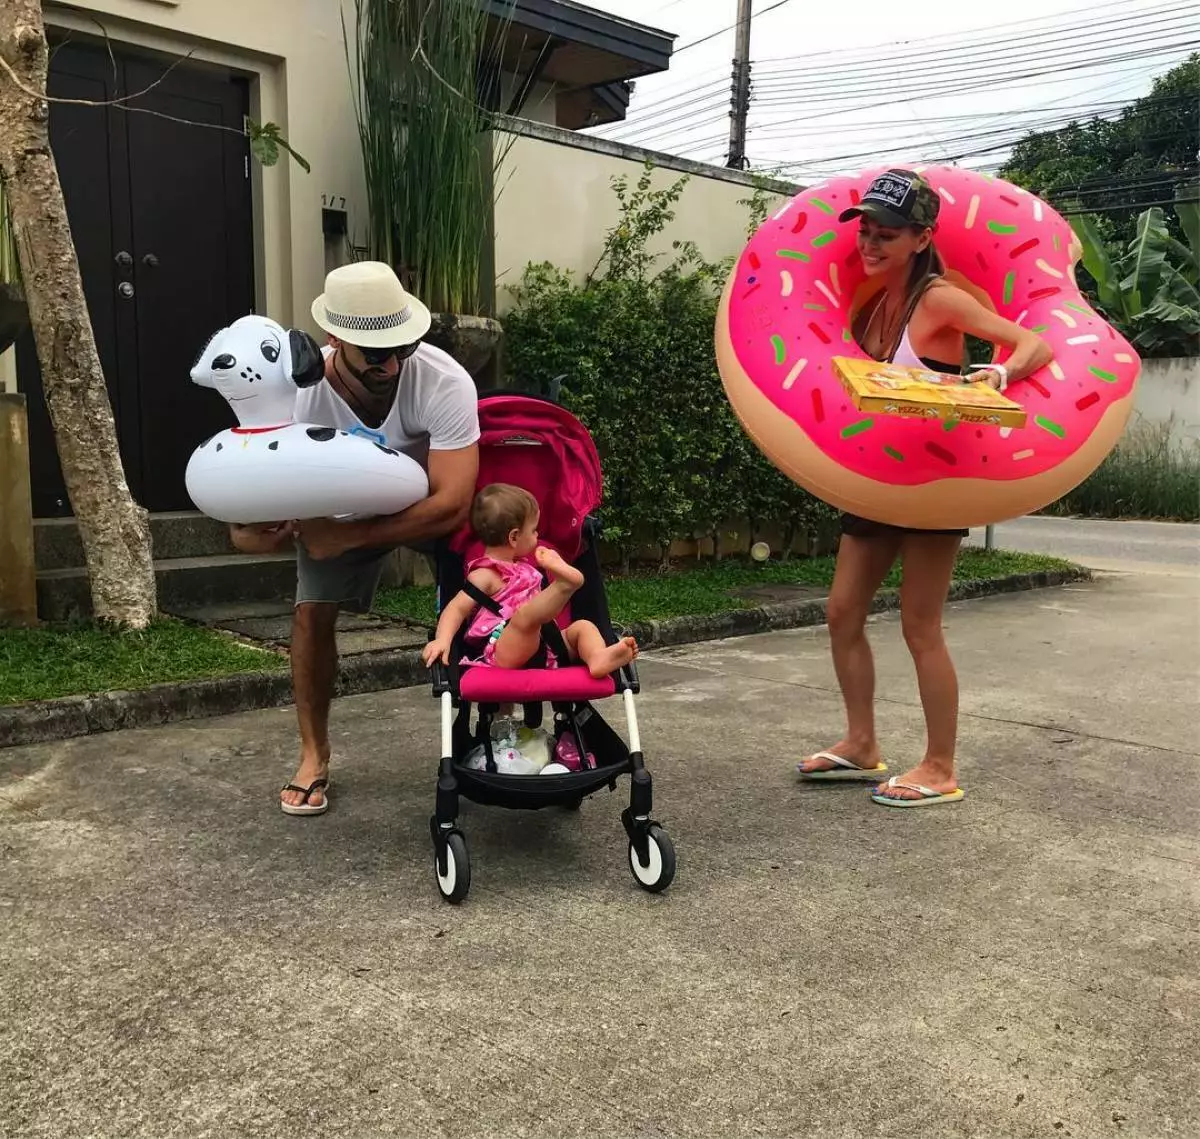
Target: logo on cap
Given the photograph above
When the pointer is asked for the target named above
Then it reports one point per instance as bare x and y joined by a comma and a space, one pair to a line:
890, 190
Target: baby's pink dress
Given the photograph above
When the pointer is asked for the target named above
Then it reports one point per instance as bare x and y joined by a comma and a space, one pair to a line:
522, 580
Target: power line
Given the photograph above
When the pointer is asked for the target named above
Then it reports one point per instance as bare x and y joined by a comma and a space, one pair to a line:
1013, 135
911, 93
922, 77
996, 50
832, 91
1128, 208
1045, 81
1128, 111
1088, 11
1075, 113
722, 31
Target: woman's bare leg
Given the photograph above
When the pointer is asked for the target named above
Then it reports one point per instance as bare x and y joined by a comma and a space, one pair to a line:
862, 564
928, 567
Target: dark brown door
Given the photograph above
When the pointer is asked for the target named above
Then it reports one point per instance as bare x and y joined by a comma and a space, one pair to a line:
160, 215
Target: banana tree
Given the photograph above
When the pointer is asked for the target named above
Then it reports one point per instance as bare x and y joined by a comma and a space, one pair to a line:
1150, 290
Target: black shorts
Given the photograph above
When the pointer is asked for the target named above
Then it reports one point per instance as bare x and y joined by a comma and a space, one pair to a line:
858, 527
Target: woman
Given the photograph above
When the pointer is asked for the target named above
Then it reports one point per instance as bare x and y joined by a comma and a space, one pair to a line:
918, 319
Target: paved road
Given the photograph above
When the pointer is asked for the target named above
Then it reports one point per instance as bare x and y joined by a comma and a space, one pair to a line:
181, 960
1165, 546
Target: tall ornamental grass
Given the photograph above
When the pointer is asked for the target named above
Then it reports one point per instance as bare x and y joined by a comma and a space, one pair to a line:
418, 69
1147, 475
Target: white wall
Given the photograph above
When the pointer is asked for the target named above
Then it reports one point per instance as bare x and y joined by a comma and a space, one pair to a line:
1168, 392
555, 202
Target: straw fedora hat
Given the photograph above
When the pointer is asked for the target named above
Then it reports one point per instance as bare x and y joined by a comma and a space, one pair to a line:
365, 304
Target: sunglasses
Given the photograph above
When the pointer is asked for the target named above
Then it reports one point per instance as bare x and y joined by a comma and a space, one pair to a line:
377, 357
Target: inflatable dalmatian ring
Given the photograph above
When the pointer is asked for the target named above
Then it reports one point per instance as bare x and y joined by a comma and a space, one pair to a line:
271, 469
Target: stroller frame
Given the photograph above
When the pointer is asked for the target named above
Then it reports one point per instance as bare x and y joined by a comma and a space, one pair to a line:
651, 853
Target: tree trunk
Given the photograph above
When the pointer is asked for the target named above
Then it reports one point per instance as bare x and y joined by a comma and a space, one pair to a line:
114, 529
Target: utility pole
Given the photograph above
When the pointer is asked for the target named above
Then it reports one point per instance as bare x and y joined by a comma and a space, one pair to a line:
741, 89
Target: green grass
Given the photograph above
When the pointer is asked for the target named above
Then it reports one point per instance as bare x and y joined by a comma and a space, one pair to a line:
692, 589
1145, 476
70, 660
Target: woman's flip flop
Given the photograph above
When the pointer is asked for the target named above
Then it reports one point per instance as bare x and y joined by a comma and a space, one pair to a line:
304, 807
928, 798
843, 769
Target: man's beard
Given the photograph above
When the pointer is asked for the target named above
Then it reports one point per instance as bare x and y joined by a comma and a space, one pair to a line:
370, 393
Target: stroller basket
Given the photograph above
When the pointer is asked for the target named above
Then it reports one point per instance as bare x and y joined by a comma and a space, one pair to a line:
534, 443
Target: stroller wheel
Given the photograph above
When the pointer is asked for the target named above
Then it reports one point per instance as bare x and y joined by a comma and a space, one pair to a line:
659, 870
454, 883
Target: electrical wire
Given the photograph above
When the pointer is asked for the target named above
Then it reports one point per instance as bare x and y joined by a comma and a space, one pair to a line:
840, 83
910, 94
730, 28
1088, 12
1067, 115
927, 77
905, 50
1107, 29
931, 88
638, 137
1042, 82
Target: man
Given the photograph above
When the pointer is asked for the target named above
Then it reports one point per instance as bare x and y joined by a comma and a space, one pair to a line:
381, 381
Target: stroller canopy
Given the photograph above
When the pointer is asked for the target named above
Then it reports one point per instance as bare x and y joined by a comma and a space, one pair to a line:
540, 446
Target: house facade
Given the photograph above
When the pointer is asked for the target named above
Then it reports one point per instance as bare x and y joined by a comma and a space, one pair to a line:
179, 232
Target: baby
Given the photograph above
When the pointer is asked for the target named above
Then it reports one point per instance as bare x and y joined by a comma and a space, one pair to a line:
505, 518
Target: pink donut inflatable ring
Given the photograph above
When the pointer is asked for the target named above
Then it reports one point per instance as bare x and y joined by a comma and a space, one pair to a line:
785, 313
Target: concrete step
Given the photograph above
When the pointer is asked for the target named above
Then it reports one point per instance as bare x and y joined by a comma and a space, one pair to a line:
184, 583
178, 534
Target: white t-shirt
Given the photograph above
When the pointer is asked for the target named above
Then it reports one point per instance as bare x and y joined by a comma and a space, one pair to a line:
436, 407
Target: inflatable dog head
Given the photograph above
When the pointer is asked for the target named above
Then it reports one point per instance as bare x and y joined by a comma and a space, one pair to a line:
257, 365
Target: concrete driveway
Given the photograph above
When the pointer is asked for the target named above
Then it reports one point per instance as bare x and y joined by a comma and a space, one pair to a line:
180, 959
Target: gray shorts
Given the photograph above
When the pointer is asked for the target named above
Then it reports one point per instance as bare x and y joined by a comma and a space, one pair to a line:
350, 580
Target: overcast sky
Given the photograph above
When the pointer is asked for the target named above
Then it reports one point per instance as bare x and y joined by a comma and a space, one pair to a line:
841, 85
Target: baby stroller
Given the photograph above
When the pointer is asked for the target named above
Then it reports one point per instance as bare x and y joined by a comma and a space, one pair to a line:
536, 444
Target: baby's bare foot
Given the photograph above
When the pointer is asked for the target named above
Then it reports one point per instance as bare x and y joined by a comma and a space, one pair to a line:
612, 658
558, 568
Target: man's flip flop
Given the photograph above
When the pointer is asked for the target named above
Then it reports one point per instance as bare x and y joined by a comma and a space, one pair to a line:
928, 798
844, 769
304, 807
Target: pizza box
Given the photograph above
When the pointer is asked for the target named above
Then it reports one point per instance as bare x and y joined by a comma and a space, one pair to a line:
893, 389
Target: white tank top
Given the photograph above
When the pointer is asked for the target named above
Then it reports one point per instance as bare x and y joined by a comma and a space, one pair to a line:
905, 356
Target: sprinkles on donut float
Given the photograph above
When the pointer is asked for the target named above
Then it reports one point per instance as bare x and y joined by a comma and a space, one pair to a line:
990, 260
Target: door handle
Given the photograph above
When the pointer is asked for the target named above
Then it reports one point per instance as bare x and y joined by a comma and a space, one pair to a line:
124, 259
125, 289
150, 260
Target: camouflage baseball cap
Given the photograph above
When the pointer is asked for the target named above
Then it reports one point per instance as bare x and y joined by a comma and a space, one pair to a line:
896, 199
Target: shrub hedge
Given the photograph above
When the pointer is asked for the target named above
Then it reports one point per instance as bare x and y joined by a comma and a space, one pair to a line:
629, 349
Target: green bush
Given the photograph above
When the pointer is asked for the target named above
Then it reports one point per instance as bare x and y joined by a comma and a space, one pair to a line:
634, 343
1145, 476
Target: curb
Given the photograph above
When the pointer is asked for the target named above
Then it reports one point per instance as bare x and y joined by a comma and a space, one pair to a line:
797, 614
46, 721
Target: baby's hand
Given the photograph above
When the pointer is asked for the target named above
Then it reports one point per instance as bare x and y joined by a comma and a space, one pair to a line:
436, 650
